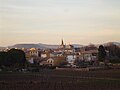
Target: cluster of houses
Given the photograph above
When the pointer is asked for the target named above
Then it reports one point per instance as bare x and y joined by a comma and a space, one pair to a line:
63, 55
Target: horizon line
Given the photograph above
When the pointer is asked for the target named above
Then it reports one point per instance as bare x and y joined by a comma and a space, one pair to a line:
58, 44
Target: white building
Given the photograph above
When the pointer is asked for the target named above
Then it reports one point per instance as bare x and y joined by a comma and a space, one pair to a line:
71, 58
90, 55
43, 55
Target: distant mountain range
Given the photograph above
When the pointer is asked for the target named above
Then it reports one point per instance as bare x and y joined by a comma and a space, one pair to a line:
26, 46
115, 43
48, 46
2, 47
40, 45
45, 46
109, 43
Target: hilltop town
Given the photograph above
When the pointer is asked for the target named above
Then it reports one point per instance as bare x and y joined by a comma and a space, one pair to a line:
70, 56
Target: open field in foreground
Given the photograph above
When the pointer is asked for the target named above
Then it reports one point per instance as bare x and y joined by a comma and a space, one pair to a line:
61, 80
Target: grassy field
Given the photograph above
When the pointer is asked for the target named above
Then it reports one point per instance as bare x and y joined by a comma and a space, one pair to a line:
61, 80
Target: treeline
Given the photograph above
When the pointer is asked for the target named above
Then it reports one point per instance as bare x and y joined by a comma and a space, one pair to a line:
114, 53
12, 58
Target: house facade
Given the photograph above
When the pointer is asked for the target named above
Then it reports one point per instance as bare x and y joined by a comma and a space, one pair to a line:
90, 55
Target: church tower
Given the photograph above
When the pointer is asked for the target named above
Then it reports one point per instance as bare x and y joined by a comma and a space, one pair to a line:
62, 43
62, 46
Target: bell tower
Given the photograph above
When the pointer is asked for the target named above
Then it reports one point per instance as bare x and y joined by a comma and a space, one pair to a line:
62, 43
62, 46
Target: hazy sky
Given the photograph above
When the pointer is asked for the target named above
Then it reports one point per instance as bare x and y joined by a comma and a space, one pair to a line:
48, 21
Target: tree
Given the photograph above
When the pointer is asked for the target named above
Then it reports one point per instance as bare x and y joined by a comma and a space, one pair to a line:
16, 57
12, 58
3, 58
114, 53
101, 53
114, 50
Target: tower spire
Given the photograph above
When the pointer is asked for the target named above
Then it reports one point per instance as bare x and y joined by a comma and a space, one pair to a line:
62, 42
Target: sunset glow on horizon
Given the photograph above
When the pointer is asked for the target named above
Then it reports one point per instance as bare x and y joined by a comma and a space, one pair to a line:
49, 21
